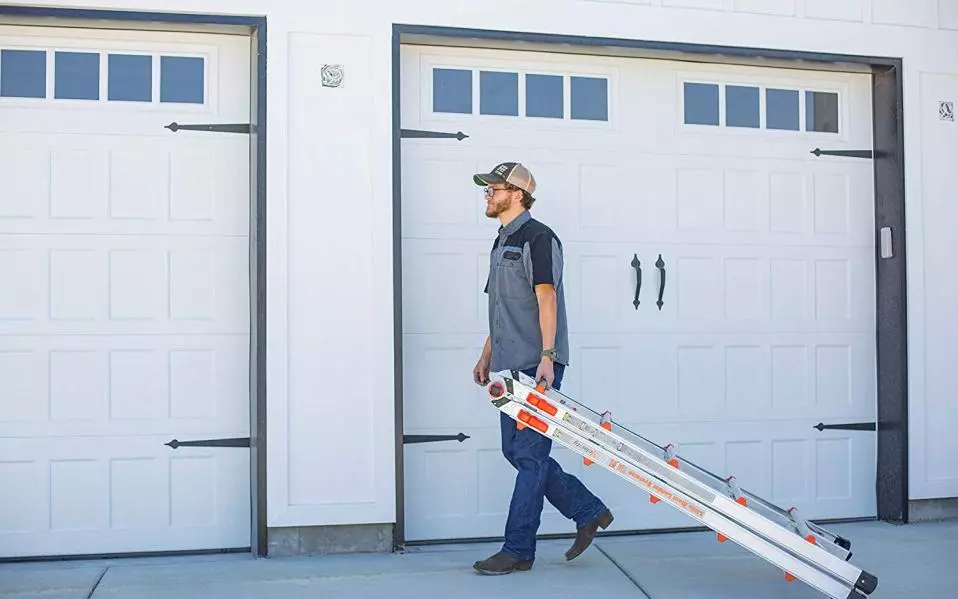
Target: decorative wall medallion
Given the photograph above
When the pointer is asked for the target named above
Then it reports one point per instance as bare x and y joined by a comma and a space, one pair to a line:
946, 111
332, 75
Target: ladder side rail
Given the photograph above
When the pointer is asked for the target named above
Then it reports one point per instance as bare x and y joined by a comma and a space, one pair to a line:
771, 511
788, 527
720, 502
822, 580
719, 484
727, 506
639, 439
837, 546
751, 496
771, 507
757, 503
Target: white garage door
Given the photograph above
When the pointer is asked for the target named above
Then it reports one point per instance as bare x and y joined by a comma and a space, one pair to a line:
124, 313
766, 326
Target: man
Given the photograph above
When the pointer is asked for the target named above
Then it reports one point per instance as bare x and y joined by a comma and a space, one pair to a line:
528, 333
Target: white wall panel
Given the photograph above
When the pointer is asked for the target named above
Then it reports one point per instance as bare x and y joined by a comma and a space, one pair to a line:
933, 468
335, 425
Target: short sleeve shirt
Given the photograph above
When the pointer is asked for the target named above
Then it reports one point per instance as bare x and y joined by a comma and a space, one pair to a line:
524, 254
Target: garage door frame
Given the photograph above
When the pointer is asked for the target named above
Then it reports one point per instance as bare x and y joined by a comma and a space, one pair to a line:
887, 155
255, 28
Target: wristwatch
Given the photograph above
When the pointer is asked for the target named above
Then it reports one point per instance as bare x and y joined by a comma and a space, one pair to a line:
552, 354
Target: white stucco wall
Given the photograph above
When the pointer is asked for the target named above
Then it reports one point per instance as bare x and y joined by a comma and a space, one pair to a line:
330, 329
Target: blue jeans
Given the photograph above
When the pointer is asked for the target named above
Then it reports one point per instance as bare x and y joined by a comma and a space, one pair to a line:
539, 476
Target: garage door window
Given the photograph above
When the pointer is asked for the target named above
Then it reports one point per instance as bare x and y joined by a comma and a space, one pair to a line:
519, 94
743, 107
821, 111
23, 74
499, 93
77, 76
130, 78
181, 79
544, 96
782, 109
701, 104
590, 98
452, 91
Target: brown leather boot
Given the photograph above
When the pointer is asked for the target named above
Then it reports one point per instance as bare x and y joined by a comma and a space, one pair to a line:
584, 535
502, 563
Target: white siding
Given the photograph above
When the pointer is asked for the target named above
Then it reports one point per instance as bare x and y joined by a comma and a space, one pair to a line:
330, 221
934, 416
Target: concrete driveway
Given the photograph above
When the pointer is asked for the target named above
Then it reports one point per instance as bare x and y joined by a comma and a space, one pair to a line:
914, 561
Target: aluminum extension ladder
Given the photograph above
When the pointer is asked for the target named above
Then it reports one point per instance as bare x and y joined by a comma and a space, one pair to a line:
802, 549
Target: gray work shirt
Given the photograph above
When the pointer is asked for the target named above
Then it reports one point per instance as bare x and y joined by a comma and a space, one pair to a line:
525, 253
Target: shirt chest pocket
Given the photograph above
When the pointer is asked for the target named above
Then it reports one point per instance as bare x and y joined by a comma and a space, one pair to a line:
513, 279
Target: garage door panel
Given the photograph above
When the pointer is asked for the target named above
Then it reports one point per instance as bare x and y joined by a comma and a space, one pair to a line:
770, 202
441, 198
619, 373
767, 321
476, 505
26, 175
597, 195
72, 284
440, 389
68, 386
443, 286
133, 182
713, 288
124, 249
658, 378
600, 286
824, 476
600, 196
454, 505
131, 494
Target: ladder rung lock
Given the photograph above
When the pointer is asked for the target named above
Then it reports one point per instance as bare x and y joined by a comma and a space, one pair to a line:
542, 404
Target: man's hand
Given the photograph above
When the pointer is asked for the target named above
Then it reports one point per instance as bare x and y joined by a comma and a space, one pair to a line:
545, 373
480, 374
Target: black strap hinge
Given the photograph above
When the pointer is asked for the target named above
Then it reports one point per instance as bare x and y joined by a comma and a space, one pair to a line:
407, 439
851, 426
846, 153
416, 133
234, 442
212, 127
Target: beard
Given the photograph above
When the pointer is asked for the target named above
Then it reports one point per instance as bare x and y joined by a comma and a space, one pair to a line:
497, 207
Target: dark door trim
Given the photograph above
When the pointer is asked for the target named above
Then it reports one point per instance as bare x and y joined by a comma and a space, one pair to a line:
255, 27
888, 157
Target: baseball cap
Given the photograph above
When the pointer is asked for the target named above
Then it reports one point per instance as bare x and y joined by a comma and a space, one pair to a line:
513, 173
